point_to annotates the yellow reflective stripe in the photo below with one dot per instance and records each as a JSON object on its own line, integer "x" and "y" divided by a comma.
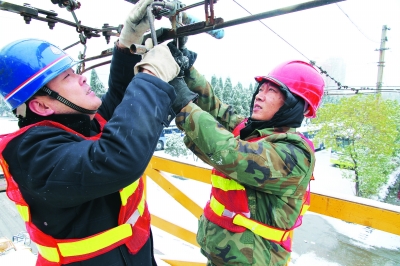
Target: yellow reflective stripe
{"x": 140, "y": 207}
{"x": 304, "y": 209}
{"x": 96, "y": 243}
{"x": 225, "y": 184}
{"x": 127, "y": 191}
{"x": 24, "y": 212}
{"x": 48, "y": 253}
{"x": 216, "y": 206}
{"x": 259, "y": 229}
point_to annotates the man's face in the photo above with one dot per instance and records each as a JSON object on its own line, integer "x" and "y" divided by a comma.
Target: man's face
{"x": 74, "y": 88}
{"x": 267, "y": 102}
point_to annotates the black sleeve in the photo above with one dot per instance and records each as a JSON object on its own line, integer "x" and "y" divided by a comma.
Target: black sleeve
{"x": 121, "y": 74}
{"x": 67, "y": 170}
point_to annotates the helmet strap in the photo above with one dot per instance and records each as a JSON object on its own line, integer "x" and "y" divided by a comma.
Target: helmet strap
{"x": 61, "y": 99}
{"x": 306, "y": 110}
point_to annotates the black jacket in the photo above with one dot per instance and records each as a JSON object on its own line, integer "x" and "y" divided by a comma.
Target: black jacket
{"x": 72, "y": 184}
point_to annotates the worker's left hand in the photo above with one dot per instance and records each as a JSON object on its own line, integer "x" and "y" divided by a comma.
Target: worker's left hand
{"x": 136, "y": 24}
{"x": 183, "y": 57}
{"x": 160, "y": 62}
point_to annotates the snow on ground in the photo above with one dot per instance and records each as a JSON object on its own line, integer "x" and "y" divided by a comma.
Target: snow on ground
{"x": 309, "y": 259}
{"x": 365, "y": 237}
{"x": 384, "y": 191}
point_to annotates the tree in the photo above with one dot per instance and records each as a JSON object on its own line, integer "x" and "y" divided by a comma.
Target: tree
{"x": 227, "y": 91}
{"x": 214, "y": 81}
{"x": 175, "y": 147}
{"x": 370, "y": 127}
{"x": 237, "y": 99}
{"x": 97, "y": 86}
{"x": 218, "y": 89}
{"x": 247, "y": 96}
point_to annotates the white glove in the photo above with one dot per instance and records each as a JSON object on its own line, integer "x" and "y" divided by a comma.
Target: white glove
{"x": 136, "y": 24}
{"x": 160, "y": 62}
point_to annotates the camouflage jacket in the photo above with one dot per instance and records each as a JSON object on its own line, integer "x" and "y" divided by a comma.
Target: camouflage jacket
{"x": 275, "y": 171}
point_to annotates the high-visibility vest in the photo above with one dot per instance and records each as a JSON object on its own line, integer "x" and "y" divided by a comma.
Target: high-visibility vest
{"x": 133, "y": 228}
{"x": 228, "y": 208}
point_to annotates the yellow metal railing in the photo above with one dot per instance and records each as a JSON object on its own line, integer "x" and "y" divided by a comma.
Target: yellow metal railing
{"x": 365, "y": 212}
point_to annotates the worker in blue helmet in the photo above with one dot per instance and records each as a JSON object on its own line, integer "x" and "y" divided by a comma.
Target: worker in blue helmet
{"x": 74, "y": 167}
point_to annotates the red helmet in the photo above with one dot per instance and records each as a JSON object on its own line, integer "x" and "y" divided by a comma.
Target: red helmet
{"x": 301, "y": 79}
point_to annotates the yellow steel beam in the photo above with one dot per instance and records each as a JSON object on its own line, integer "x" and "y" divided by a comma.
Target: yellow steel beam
{"x": 381, "y": 216}
{"x": 183, "y": 263}
{"x": 178, "y": 195}
{"x": 357, "y": 212}
{"x": 175, "y": 230}
{"x": 181, "y": 169}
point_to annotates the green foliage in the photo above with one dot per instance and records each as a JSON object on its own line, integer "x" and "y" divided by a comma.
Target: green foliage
{"x": 330, "y": 99}
{"x": 97, "y": 86}
{"x": 238, "y": 96}
{"x": 214, "y": 81}
{"x": 370, "y": 127}
{"x": 175, "y": 147}
{"x": 227, "y": 93}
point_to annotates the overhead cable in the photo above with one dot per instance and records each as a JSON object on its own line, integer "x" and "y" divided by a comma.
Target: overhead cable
{"x": 339, "y": 85}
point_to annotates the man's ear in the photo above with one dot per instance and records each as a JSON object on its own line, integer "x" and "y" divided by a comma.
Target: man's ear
{"x": 40, "y": 106}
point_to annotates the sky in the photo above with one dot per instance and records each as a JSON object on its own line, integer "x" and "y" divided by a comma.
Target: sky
{"x": 341, "y": 38}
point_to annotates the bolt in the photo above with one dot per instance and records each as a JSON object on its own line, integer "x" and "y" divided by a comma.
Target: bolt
{"x": 27, "y": 19}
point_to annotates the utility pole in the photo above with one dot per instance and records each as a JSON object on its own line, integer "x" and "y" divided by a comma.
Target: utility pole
{"x": 381, "y": 62}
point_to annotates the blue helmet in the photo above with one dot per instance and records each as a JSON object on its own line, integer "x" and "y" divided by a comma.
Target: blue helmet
{"x": 26, "y": 66}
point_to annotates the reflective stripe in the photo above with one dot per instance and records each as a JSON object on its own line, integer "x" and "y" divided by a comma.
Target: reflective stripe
{"x": 128, "y": 191}
{"x": 220, "y": 209}
{"x": 245, "y": 221}
{"x": 261, "y": 230}
{"x": 49, "y": 253}
{"x": 24, "y": 212}
{"x": 225, "y": 184}
{"x": 95, "y": 243}
{"x": 216, "y": 206}
{"x": 134, "y": 217}
{"x": 304, "y": 209}
{"x": 141, "y": 204}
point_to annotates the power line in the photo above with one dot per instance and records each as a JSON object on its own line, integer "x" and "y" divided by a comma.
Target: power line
{"x": 272, "y": 30}
{"x": 355, "y": 24}
{"x": 339, "y": 85}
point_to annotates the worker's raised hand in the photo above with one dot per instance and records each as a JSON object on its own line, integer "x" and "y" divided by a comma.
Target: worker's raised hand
{"x": 160, "y": 62}
{"x": 183, "y": 57}
{"x": 181, "y": 60}
{"x": 136, "y": 24}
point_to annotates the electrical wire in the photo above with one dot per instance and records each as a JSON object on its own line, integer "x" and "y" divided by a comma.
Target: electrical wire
{"x": 272, "y": 30}
{"x": 340, "y": 87}
{"x": 355, "y": 24}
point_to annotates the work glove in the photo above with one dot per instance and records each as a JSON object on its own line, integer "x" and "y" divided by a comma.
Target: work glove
{"x": 136, "y": 24}
{"x": 183, "y": 57}
{"x": 160, "y": 62}
{"x": 183, "y": 94}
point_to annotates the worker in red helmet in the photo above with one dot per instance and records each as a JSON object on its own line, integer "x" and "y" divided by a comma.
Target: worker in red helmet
{"x": 262, "y": 166}
{"x": 74, "y": 167}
